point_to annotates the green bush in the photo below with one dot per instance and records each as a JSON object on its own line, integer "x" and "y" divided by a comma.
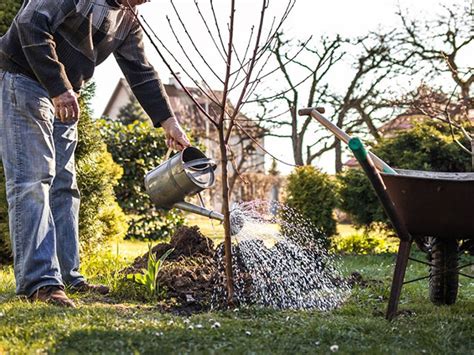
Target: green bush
{"x": 100, "y": 216}
{"x": 5, "y": 245}
{"x": 427, "y": 146}
{"x": 312, "y": 193}
{"x": 8, "y": 10}
{"x": 138, "y": 148}
{"x": 364, "y": 243}
{"x": 358, "y": 198}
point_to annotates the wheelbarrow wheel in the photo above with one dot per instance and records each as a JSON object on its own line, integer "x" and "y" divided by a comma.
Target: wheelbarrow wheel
{"x": 444, "y": 278}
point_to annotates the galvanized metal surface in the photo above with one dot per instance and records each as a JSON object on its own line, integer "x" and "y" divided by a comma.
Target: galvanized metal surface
{"x": 185, "y": 174}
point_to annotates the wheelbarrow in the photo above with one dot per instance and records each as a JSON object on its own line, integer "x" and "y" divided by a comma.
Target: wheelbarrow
{"x": 432, "y": 209}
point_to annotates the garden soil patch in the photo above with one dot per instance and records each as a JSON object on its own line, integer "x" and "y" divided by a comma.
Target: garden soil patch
{"x": 189, "y": 272}
{"x": 193, "y": 275}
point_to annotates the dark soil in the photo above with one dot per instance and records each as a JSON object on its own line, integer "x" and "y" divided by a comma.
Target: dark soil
{"x": 188, "y": 273}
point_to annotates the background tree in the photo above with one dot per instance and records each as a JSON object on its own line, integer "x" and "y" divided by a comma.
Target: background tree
{"x": 132, "y": 112}
{"x": 8, "y": 10}
{"x": 319, "y": 63}
{"x": 359, "y": 107}
{"x": 437, "y": 48}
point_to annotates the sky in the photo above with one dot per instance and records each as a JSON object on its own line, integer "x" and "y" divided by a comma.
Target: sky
{"x": 308, "y": 18}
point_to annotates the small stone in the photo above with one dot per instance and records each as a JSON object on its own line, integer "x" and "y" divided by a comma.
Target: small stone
{"x": 216, "y": 325}
{"x": 334, "y": 348}
{"x": 248, "y": 333}
{"x": 317, "y": 343}
{"x": 190, "y": 299}
{"x": 198, "y": 326}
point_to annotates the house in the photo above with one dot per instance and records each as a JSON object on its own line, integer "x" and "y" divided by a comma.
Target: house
{"x": 248, "y": 158}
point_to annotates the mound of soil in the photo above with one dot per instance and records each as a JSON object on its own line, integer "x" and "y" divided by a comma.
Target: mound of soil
{"x": 188, "y": 272}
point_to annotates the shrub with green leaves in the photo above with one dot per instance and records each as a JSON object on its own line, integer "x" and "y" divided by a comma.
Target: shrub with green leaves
{"x": 100, "y": 216}
{"x": 364, "y": 243}
{"x": 139, "y": 148}
{"x": 427, "y": 146}
{"x": 312, "y": 193}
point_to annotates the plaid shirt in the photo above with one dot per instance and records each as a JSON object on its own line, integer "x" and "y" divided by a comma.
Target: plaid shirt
{"x": 60, "y": 42}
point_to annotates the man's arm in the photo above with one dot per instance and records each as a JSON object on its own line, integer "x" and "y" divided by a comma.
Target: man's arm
{"x": 148, "y": 88}
{"x": 142, "y": 77}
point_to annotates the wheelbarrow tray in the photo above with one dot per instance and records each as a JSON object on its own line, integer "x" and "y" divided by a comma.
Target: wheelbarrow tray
{"x": 433, "y": 203}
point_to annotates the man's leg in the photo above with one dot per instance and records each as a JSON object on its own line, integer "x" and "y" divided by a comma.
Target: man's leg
{"x": 65, "y": 206}
{"x": 65, "y": 202}
{"x": 26, "y": 136}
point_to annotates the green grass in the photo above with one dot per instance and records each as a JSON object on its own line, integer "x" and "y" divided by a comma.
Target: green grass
{"x": 118, "y": 325}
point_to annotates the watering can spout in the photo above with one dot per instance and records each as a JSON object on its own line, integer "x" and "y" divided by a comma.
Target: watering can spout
{"x": 189, "y": 207}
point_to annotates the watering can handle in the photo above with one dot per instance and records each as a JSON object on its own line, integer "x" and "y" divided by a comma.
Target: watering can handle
{"x": 168, "y": 154}
{"x": 211, "y": 164}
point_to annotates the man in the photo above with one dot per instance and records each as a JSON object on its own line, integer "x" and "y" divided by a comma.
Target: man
{"x": 46, "y": 56}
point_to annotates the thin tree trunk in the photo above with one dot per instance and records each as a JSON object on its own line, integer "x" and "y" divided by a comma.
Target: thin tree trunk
{"x": 226, "y": 213}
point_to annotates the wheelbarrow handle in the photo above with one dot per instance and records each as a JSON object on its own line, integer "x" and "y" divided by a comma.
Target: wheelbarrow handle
{"x": 343, "y": 136}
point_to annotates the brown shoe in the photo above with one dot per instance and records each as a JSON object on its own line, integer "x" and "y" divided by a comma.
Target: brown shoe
{"x": 85, "y": 287}
{"x": 52, "y": 294}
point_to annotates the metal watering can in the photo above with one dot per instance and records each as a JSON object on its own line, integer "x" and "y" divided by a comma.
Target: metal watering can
{"x": 185, "y": 174}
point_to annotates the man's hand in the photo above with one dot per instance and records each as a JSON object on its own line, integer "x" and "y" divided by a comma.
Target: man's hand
{"x": 66, "y": 106}
{"x": 175, "y": 136}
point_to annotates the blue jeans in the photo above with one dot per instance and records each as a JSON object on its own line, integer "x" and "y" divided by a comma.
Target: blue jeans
{"x": 37, "y": 152}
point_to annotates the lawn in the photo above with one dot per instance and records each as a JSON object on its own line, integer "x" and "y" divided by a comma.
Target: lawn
{"x": 117, "y": 325}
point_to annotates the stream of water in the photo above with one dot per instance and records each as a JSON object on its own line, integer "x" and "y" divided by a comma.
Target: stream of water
{"x": 279, "y": 261}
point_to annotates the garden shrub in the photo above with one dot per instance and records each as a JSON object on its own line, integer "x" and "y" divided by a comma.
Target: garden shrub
{"x": 5, "y": 245}
{"x": 358, "y": 198}
{"x": 312, "y": 193}
{"x": 138, "y": 148}
{"x": 364, "y": 243}
{"x": 428, "y": 146}
{"x": 100, "y": 216}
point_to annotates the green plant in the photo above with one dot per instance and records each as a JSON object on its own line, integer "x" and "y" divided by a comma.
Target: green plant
{"x": 311, "y": 192}
{"x": 8, "y": 10}
{"x": 364, "y": 243}
{"x": 358, "y": 199}
{"x": 100, "y": 216}
{"x": 149, "y": 277}
{"x": 139, "y": 148}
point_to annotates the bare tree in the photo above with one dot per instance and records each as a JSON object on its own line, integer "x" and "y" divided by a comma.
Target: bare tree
{"x": 239, "y": 72}
{"x": 360, "y": 107}
{"x": 437, "y": 48}
{"x": 322, "y": 60}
